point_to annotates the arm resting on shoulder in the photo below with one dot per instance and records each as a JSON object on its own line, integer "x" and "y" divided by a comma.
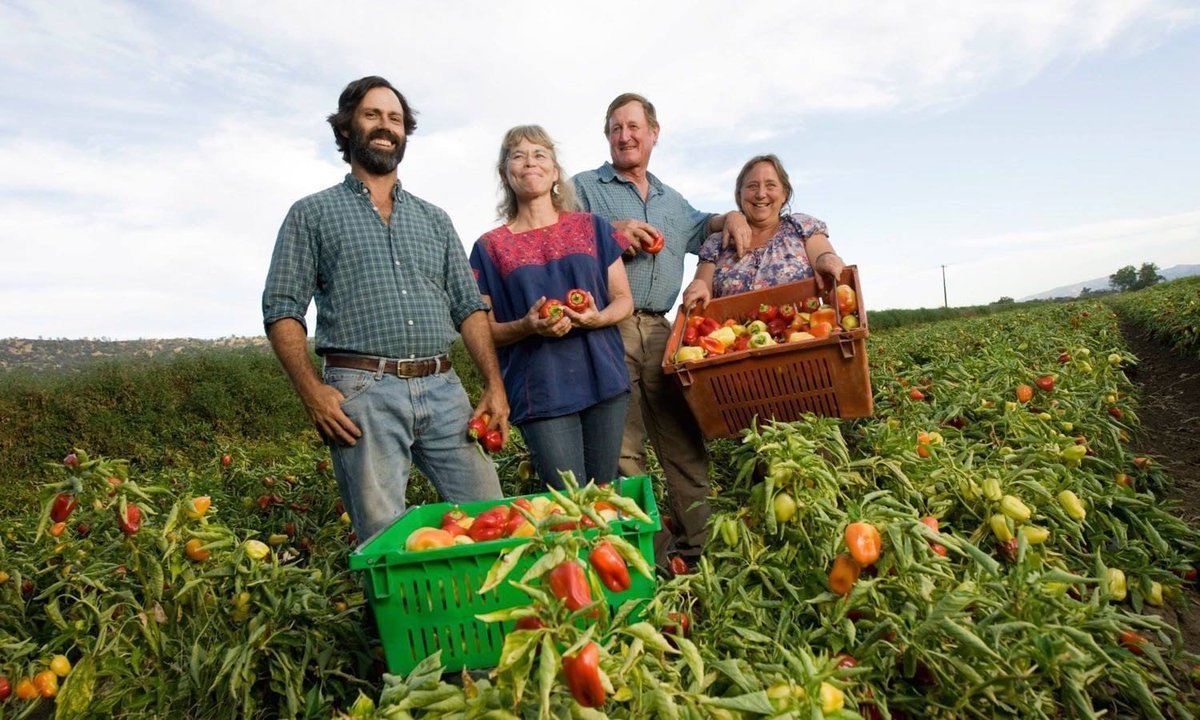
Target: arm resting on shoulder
{"x": 733, "y": 228}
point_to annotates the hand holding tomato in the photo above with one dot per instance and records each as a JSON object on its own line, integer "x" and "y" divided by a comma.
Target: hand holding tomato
{"x": 642, "y": 237}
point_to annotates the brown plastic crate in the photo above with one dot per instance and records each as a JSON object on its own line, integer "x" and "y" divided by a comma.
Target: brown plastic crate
{"x": 826, "y": 377}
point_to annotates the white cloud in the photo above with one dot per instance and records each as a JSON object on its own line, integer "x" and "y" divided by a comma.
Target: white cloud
{"x": 148, "y": 153}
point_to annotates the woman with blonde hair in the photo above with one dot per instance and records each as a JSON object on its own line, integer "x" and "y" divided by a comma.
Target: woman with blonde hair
{"x": 563, "y": 365}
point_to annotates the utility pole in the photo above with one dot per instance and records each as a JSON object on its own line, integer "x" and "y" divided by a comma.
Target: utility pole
{"x": 945, "y": 298}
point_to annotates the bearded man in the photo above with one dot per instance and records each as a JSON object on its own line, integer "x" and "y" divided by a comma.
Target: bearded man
{"x": 393, "y": 289}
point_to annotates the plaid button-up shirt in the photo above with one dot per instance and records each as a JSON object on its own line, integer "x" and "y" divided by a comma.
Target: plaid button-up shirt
{"x": 655, "y": 280}
{"x": 397, "y": 291}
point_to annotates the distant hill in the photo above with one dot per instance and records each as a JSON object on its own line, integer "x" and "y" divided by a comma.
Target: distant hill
{"x": 75, "y": 355}
{"x": 1097, "y": 284}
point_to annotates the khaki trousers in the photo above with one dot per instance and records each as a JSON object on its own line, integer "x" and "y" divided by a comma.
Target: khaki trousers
{"x": 658, "y": 410}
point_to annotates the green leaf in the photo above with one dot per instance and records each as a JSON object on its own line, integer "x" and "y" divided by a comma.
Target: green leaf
{"x": 547, "y": 673}
{"x": 504, "y": 565}
{"x": 755, "y": 702}
{"x": 77, "y": 690}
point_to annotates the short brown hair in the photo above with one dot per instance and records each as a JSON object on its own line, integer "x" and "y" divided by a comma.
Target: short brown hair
{"x": 774, "y": 161}
{"x": 564, "y": 200}
{"x": 626, "y": 98}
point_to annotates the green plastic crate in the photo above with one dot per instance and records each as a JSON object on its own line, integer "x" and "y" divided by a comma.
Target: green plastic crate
{"x": 427, "y": 601}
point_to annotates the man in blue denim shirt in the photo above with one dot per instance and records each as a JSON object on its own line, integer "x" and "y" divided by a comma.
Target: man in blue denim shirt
{"x": 642, "y": 207}
{"x": 392, "y": 285}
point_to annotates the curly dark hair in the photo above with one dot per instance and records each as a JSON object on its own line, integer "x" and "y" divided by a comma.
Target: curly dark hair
{"x": 348, "y": 103}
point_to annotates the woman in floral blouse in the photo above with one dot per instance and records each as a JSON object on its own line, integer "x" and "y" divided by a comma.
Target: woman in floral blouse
{"x": 783, "y": 248}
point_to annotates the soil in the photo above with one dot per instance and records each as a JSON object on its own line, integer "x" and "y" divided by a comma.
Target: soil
{"x": 1169, "y": 411}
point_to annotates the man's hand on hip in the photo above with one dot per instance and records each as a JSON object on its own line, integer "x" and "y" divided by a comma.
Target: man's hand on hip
{"x": 325, "y": 410}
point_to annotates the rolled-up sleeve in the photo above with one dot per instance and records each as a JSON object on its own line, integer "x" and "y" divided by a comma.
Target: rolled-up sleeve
{"x": 461, "y": 287}
{"x": 292, "y": 277}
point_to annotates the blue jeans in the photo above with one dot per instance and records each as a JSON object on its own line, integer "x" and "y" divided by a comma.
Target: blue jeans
{"x": 588, "y": 442}
{"x": 405, "y": 421}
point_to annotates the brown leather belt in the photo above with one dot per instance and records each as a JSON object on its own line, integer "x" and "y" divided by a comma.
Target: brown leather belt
{"x": 650, "y": 313}
{"x": 399, "y": 368}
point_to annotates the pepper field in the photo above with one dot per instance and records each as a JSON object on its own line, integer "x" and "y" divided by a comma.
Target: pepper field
{"x": 1047, "y": 590}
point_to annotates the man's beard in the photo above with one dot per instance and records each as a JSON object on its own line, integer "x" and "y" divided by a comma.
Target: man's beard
{"x": 375, "y": 160}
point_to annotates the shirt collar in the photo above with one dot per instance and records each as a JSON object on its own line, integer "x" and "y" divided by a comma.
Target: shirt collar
{"x": 607, "y": 173}
{"x": 358, "y": 187}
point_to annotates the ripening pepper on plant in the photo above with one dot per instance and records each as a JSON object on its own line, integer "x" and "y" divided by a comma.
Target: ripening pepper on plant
{"x": 129, "y": 520}
{"x": 1072, "y": 505}
{"x": 569, "y": 583}
{"x": 1115, "y": 583}
{"x": 62, "y": 507}
{"x": 582, "y": 673}
{"x": 1012, "y": 506}
{"x": 864, "y": 542}
{"x": 1000, "y": 527}
{"x": 843, "y": 574}
{"x": 610, "y": 567}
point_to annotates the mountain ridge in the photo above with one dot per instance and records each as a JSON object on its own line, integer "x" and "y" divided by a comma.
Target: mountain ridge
{"x": 1101, "y": 284}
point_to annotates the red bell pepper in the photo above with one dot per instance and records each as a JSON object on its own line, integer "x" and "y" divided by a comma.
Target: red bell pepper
{"x": 741, "y": 343}
{"x": 552, "y": 308}
{"x": 489, "y": 524}
{"x": 569, "y": 584}
{"x": 707, "y": 326}
{"x": 786, "y": 312}
{"x": 478, "y": 425}
{"x": 582, "y": 672}
{"x": 454, "y": 516}
{"x": 492, "y": 441}
{"x": 655, "y": 245}
{"x": 767, "y": 313}
{"x": 64, "y": 504}
{"x": 578, "y": 300}
{"x": 610, "y": 567}
{"x": 691, "y": 336}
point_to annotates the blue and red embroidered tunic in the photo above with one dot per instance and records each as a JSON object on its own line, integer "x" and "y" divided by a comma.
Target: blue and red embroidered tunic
{"x": 551, "y": 377}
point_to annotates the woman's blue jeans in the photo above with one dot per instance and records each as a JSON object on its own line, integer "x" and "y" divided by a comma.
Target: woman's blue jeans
{"x": 588, "y": 443}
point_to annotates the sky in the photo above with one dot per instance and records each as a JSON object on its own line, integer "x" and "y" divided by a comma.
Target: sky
{"x": 150, "y": 150}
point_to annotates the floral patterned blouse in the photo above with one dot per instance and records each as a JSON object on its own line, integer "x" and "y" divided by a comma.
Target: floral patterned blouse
{"x": 781, "y": 260}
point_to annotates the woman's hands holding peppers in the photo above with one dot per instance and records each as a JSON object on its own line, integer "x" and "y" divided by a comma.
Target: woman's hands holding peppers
{"x": 556, "y": 325}
{"x": 589, "y": 317}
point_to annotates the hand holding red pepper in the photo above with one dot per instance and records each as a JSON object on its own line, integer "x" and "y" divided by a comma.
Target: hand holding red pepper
{"x": 547, "y": 317}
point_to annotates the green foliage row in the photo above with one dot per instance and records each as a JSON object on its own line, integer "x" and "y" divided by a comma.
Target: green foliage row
{"x": 177, "y": 413}
{"x": 157, "y": 412}
{"x": 1169, "y": 312}
{"x": 888, "y": 319}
